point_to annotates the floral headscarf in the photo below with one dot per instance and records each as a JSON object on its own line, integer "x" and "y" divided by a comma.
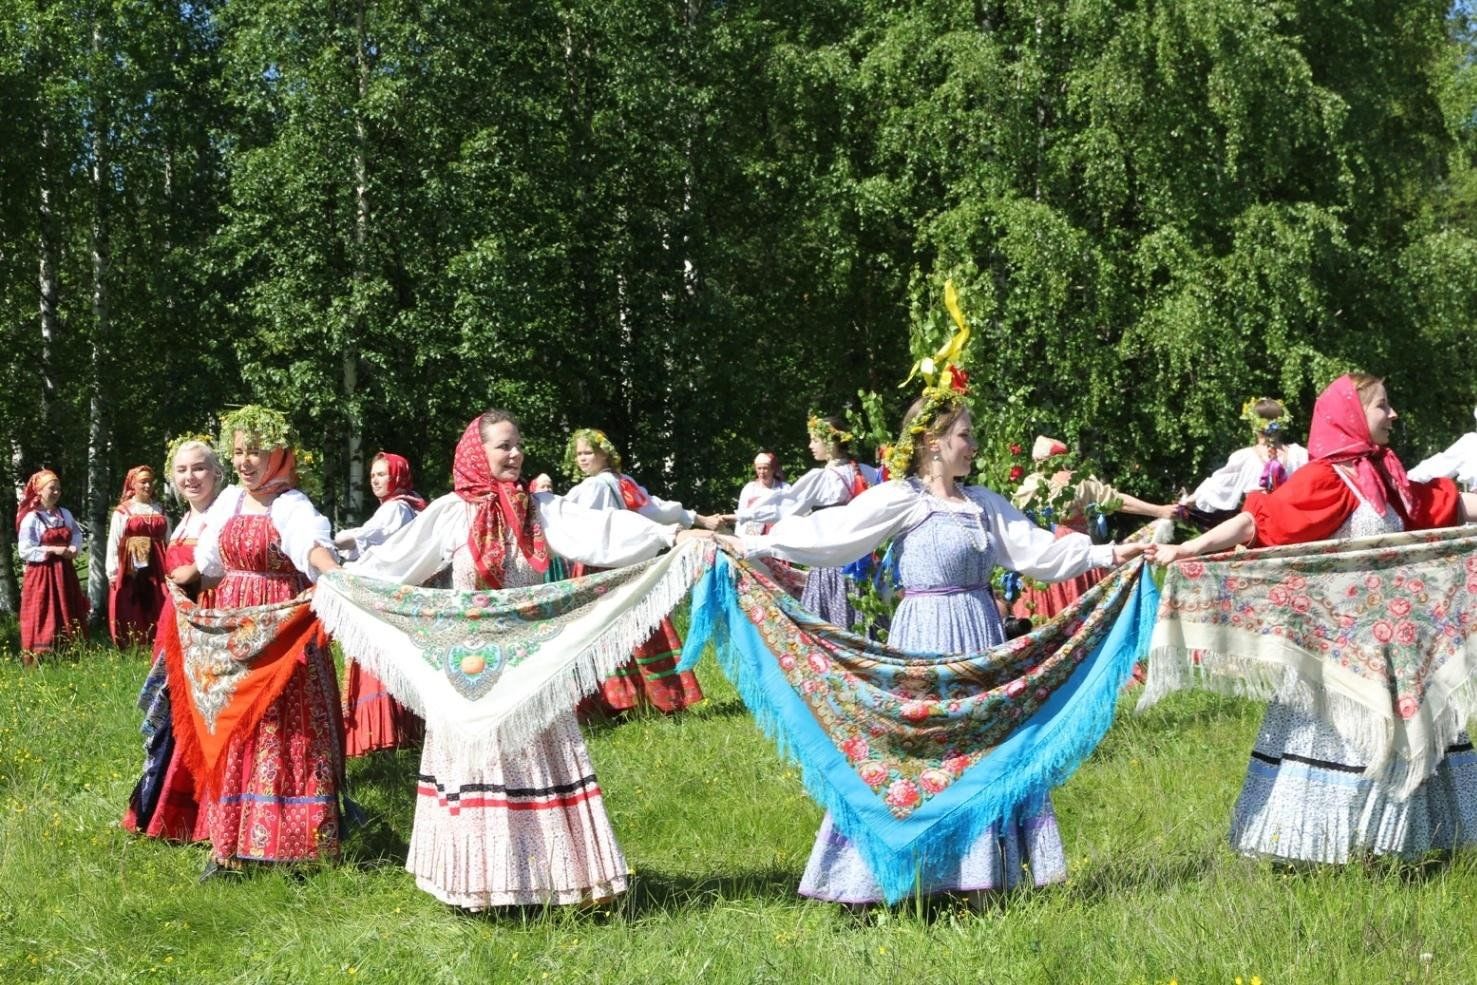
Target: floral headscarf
{"x": 1340, "y": 433}
{"x": 31, "y": 495}
{"x": 128, "y": 480}
{"x": 500, "y": 506}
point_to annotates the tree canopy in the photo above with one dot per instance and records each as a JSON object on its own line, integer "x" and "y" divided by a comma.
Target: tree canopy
{"x": 691, "y": 223}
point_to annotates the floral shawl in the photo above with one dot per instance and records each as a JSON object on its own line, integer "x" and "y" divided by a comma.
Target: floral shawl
{"x": 1376, "y": 635}
{"x": 226, "y": 667}
{"x": 916, "y": 754}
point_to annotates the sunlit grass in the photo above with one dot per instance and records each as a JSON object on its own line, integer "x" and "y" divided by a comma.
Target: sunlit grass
{"x": 717, "y": 829}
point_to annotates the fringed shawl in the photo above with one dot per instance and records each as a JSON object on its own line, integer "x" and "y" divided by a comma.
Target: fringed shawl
{"x": 226, "y": 667}
{"x": 494, "y": 668}
{"x": 915, "y": 755}
{"x": 1374, "y": 635}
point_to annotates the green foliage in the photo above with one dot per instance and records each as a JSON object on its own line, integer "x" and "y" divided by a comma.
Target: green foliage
{"x": 717, "y": 830}
{"x": 687, "y": 224}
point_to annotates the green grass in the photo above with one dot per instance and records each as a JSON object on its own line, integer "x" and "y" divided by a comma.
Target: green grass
{"x": 718, "y": 830}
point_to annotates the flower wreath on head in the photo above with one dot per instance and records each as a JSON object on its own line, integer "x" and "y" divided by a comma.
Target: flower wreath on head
{"x": 945, "y": 388}
{"x": 172, "y": 449}
{"x": 268, "y": 427}
{"x": 597, "y": 440}
{"x": 823, "y": 430}
{"x": 1274, "y": 429}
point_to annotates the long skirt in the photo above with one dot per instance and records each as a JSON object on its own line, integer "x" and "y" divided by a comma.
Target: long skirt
{"x": 164, "y": 803}
{"x": 650, "y": 677}
{"x": 519, "y": 827}
{"x": 1306, "y": 798}
{"x": 372, "y": 719}
{"x": 827, "y": 594}
{"x": 279, "y": 794}
{"x": 53, "y": 608}
{"x": 1029, "y": 847}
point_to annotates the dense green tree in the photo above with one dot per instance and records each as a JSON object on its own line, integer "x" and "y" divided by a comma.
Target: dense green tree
{"x": 692, "y": 223}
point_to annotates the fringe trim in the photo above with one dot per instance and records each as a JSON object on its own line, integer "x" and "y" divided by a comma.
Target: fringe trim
{"x": 385, "y": 652}
{"x": 1372, "y": 733}
{"x": 1069, "y": 737}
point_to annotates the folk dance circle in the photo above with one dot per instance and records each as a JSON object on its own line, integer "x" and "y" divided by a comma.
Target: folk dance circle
{"x": 482, "y": 626}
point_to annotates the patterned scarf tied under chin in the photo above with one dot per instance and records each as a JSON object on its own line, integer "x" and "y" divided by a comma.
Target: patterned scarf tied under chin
{"x": 916, "y": 754}
{"x": 501, "y": 506}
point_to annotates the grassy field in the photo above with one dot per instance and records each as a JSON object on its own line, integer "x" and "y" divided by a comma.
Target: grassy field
{"x": 718, "y": 830}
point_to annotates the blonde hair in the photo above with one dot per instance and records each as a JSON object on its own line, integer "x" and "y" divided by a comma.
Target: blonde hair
{"x": 212, "y": 462}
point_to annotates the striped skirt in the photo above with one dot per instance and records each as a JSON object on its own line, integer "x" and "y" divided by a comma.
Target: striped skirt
{"x": 1306, "y": 798}
{"x": 520, "y": 827}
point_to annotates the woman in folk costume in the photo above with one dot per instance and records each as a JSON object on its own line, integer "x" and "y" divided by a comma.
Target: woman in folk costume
{"x": 264, "y": 542}
{"x": 528, "y": 825}
{"x": 164, "y": 802}
{"x": 1304, "y": 797}
{"x": 137, "y": 534}
{"x": 53, "y": 607}
{"x": 769, "y": 477}
{"x": 372, "y": 719}
{"x": 1268, "y": 462}
{"x": 947, "y": 539}
{"x": 1073, "y": 497}
{"x": 827, "y": 589}
{"x": 651, "y": 676}
{"x": 391, "y": 482}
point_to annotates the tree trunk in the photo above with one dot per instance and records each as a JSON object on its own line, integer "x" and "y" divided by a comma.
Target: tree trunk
{"x": 48, "y": 283}
{"x": 10, "y": 592}
{"x": 354, "y": 447}
{"x": 98, "y": 489}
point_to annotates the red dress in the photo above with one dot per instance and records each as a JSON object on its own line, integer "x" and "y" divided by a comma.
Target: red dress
{"x": 649, "y": 677}
{"x": 53, "y": 607}
{"x": 373, "y": 720}
{"x": 136, "y": 596}
{"x": 1040, "y": 604}
{"x": 279, "y": 793}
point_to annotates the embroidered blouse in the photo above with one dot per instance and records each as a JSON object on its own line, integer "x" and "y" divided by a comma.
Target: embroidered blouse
{"x": 603, "y": 538}
{"x": 836, "y": 537}
{"x": 119, "y": 520}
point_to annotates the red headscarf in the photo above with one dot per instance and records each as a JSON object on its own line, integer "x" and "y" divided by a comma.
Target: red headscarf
{"x": 1340, "y": 433}
{"x": 500, "y": 506}
{"x": 133, "y": 473}
{"x": 402, "y": 486}
{"x": 31, "y": 495}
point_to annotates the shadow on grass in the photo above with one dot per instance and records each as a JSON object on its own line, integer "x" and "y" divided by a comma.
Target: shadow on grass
{"x": 598, "y": 722}
{"x": 656, "y": 893}
{"x": 383, "y": 784}
{"x": 1108, "y": 881}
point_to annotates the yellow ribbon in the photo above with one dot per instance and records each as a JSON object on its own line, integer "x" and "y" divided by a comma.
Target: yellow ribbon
{"x": 951, "y": 351}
